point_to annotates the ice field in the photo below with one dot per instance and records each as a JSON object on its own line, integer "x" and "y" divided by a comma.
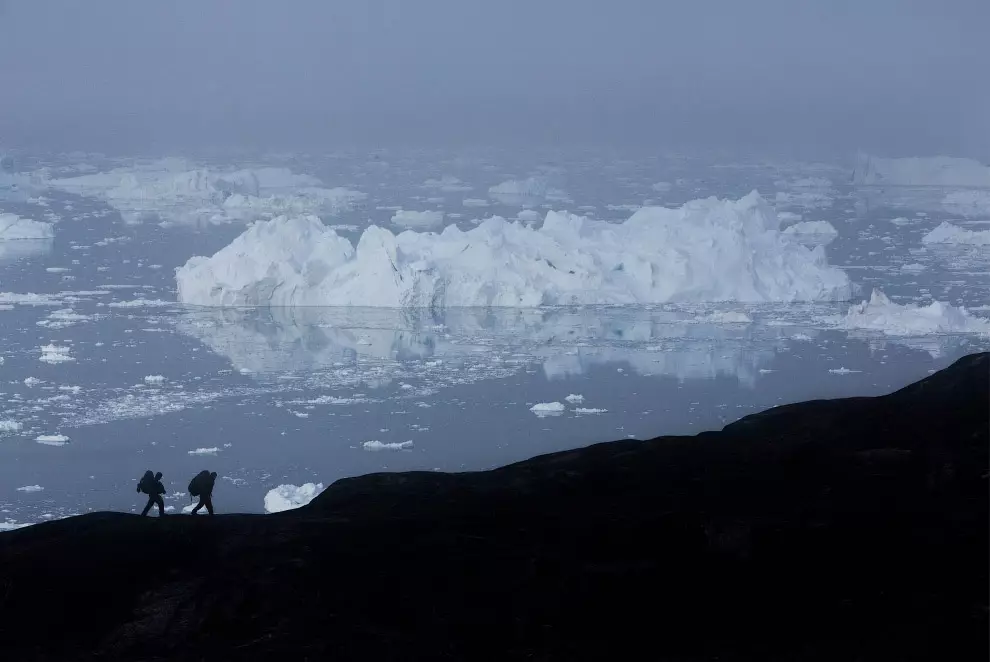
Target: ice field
{"x": 287, "y": 320}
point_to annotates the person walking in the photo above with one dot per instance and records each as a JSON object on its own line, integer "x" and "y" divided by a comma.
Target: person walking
{"x": 151, "y": 484}
{"x": 202, "y": 486}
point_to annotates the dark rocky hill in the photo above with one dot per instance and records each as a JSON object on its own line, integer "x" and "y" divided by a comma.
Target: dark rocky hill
{"x": 852, "y": 529}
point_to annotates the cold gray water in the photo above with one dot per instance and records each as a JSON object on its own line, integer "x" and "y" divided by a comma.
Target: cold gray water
{"x": 104, "y": 375}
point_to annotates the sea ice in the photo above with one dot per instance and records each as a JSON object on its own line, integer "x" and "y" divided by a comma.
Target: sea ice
{"x": 204, "y": 451}
{"x": 376, "y": 445}
{"x": 55, "y": 354}
{"x": 542, "y": 409}
{"x": 474, "y": 202}
{"x": 52, "y": 439}
{"x": 706, "y": 250}
{"x": 289, "y": 497}
{"x": 842, "y": 371}
{"x": 417, "y": 219}
{"x": 8, "y": 426}
{"x": 881, "y": 314}
{"x": 812, "y": 227}
{"x": 13, "y": 227}
{"x": 155, "y": 380}
{"x": 971, "y": 204}
{"x": 31, "y": 488}
{"x": 582, "y": 410}
{"x": 915, "y": 171}
{"x": 947, "y": 233}
{"x": 574, "y": 398}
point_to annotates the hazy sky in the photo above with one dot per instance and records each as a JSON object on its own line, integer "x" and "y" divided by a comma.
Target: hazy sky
{"x": 897, "y": 76}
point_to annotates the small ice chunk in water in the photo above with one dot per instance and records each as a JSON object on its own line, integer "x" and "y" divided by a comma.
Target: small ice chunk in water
{"x": 582, "y": 410}
{"x": 52, "y": 439}
{"x": 542, "y": 409}
{"x": 289, "y": 497}
{"x": 881, "y": 314}
{"x": 947, "y": 233}
{"x": 55, "y": 354}
{"x": 376, "y": 445}
{"x": 204, "y": 451}
{"x": 9, "y": 426}
{"x": 842, "y": 371}
{"x": 31, "y": 382}
{"x": 31, "y": 488}
{"x": 154, "y": 379}
{"x": 575, "y": 398}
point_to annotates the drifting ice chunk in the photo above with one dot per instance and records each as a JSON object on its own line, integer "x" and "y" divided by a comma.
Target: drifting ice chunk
{"x": 707, "y": 250}
{"x": 14, "y": 227}
{"x": 880, "y": 314}
{"x": 575, "y": 399}
{"x": 52, "y": 439}
{"x": 542, "y": 409}
{"x": 289, "y": 497}
{"x": 154, "y": 379}
{"x": 417, "y": 219}
{"x": 54, "y": 354}
{"x": 204, "y": 451}
{"x": 930, "y": 171}
{"x": 9, "y": 426}
{"x": 582, "y": 410}
{"x": 376, "y": 445}
{"x": 842, "y": 371}
{"x": 31, "y": 488}
{"x": 812, "y": 227}
{"x": 947, "y": 233}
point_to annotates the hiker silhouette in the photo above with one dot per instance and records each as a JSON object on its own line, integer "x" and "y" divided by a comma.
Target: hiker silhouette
{"x": 202, "y": 486}
{"x": 151, "y": 484}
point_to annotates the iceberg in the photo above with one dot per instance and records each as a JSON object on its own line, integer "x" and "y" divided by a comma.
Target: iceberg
{"x": 881, "y": 314}
{"x": 289, "y": 497}
{"x": 920, "y": 171}
{"x": 707, "y": 250}
{"x": 176, "y": 192}
{"x": 13, "y": 227}
{"x": 417, "y": 219}
{"x": 947, "y": 233}
{"x": 971, "y": 204}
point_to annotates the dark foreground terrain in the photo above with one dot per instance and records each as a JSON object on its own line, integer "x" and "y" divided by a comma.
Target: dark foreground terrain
{"x": 852, "y": 529}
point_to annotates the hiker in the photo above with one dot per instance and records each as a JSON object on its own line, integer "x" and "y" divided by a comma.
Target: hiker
{"x": 151, "y": 484}
{"x": 202, "y": 486}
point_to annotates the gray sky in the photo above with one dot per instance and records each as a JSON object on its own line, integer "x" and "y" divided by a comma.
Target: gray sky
{"x": 898, "y": 76}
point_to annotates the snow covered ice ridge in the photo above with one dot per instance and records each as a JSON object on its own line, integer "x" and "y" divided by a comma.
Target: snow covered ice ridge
{"x": 289, "y": 497}
{"x": 920, "y": 171}
{"x": 706, "y": 250}
{"x": 881, "y": 314}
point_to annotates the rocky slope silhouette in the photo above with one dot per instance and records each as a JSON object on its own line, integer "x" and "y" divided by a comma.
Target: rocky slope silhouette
{"x": 850, "y": 529}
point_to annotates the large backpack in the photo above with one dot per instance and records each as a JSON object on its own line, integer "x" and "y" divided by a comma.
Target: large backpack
{"x": 199, "y": 483}
{"x": 147, "y": 483}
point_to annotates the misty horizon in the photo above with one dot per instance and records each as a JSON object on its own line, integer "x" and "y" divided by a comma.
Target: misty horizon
{"x": 899, "y": 78}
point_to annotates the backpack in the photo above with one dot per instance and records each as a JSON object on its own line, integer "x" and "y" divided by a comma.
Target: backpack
{"x": 199, "y": 483}
{"x": 147, "y": 483}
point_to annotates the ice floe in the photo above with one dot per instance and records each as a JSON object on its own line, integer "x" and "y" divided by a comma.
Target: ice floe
{"x": 52, "y": 439}
{"x": 947, "y": 233}
{"x": 417, "y": 219}
{"x": 15, "y": 228}
{"x": 55, "y": 354}
{"x": 920, "y": 171}
{"x": 375, "y": 445}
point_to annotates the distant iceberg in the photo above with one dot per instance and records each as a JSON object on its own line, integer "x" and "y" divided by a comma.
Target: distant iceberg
{"x": 881, "y": 314}
{"x": 290, "y": 497}
{"x": 14, "y": 227}
{"x": 920, "y": 171}
{"x": 707, "y": 250}
{"x": 947, "y": 233}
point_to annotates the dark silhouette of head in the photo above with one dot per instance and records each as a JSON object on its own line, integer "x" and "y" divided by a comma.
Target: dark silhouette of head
{"x": 213, "y": 474}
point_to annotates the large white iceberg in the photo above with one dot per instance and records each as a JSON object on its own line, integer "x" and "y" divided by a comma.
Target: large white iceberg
{"x": 176, "y": 191}
{"x": 881, "y": 314}
{"x": 13, "y": 227}
{"x": 947, "y": 233}
{"x": 920, "y": 171}
{"x": 707, "y": 250}
{"x": 289, "y": 497}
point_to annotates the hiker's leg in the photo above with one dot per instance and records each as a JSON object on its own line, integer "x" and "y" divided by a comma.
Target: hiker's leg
{"x": 209, "y": 503}
{"x": 161, "y": 505}
{"x": 151, "y": 501}
{"x": 198, "y": 506}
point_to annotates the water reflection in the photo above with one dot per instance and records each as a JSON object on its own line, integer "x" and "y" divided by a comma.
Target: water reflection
{"x": 275, "y": 343}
